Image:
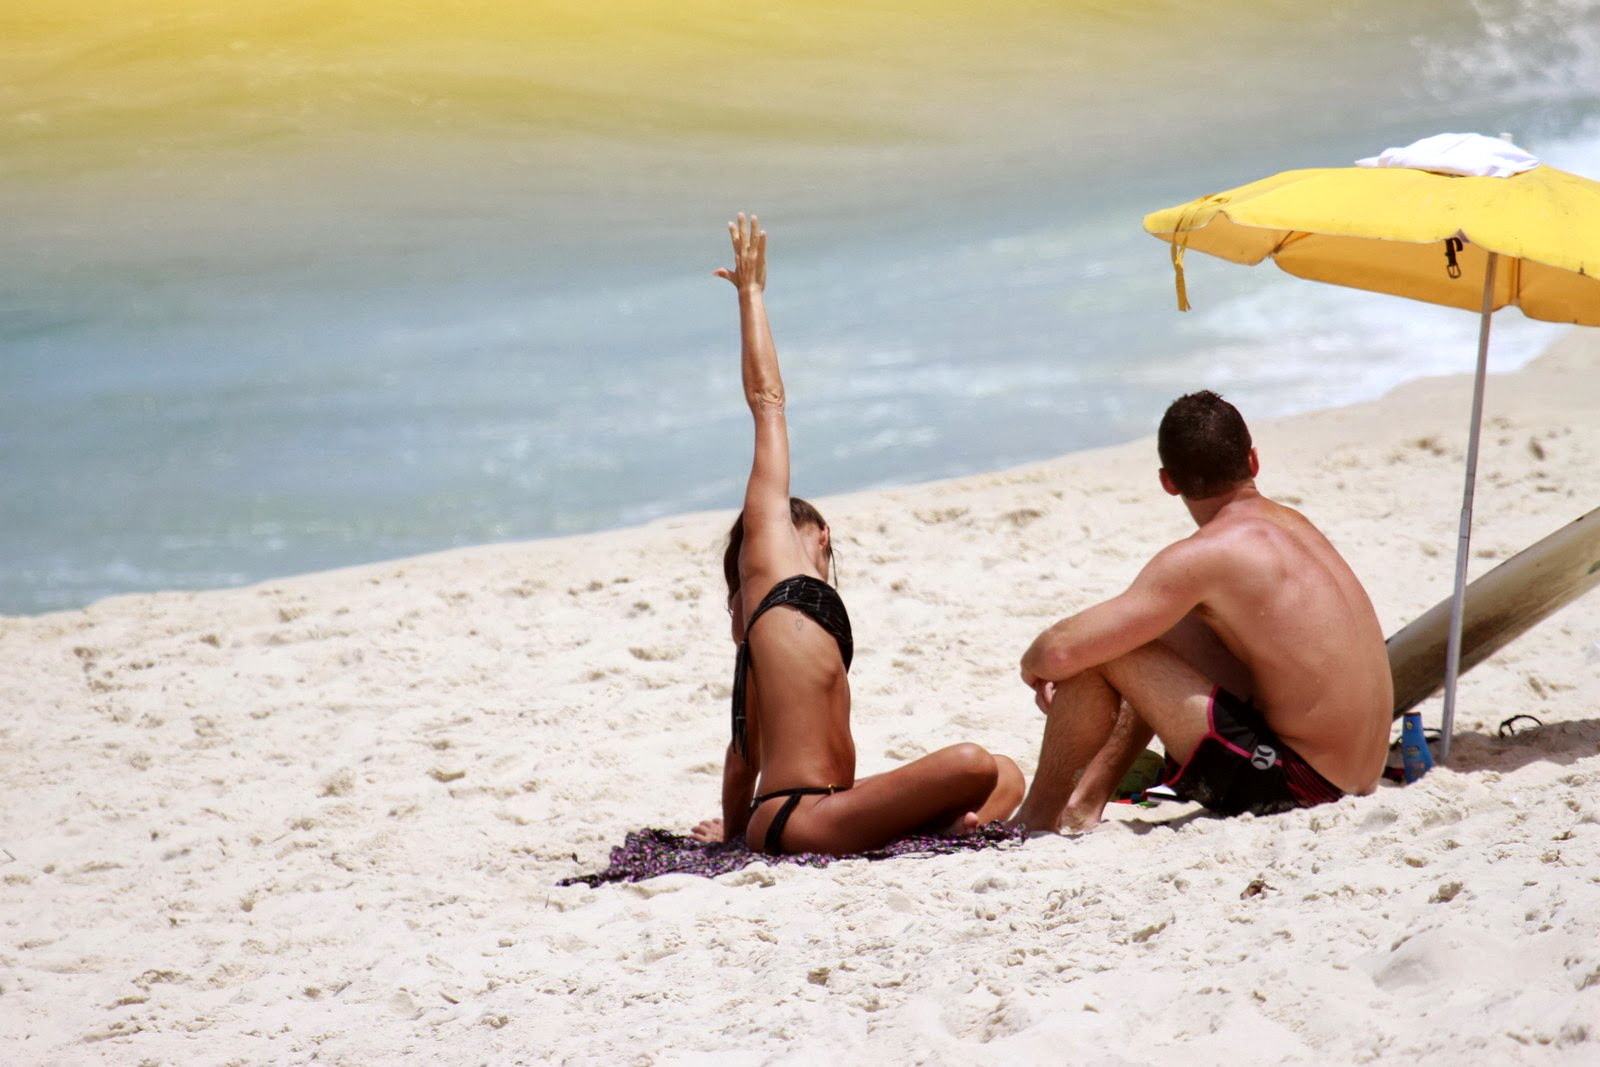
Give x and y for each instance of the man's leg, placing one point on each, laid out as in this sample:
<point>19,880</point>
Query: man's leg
<point>1080,722</point>
<point>1196,644</point>
<point>1129,738</point>
<point>1167,692</point>
<point>1087,749</point>
<point>1199,646</point>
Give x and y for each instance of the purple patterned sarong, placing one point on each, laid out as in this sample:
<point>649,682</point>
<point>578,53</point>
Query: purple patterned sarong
<point>649,853</point>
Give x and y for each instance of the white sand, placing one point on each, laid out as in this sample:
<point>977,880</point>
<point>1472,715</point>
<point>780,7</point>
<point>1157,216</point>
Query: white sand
<point>322,818</point>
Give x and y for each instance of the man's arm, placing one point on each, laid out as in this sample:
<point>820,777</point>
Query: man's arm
<point>1167,589</point>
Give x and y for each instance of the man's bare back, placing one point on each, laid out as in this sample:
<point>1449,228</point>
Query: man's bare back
<point>1284,602</point>
<point>1249,647</point>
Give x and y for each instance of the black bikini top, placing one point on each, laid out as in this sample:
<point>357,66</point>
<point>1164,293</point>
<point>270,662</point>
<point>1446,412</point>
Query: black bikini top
<point>819,601</point>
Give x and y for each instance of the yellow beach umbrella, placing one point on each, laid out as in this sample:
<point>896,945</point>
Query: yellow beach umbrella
<point>1476,241</point>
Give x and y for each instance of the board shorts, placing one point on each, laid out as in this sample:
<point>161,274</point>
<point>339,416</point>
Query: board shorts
<point>1240,765</point>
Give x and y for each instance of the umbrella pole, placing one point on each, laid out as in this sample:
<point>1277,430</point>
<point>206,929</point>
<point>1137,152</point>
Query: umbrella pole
<point>1452,658</point>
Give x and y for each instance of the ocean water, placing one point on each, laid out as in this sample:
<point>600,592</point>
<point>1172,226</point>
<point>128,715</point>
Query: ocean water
<point>289,286</point>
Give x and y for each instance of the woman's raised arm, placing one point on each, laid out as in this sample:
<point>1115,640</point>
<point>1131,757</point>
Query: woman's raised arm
<point>766,501</point>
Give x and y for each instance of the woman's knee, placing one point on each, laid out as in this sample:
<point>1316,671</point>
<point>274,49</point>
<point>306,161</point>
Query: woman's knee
<point>973,764</point>
<point>1009,779</point>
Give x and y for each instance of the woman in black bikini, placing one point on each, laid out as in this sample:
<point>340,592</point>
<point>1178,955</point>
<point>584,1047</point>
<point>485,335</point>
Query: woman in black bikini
<point>791,699</point>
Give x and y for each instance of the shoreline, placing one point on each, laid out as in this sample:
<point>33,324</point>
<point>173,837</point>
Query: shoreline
<point>674,519</point>
<point>323,816</point>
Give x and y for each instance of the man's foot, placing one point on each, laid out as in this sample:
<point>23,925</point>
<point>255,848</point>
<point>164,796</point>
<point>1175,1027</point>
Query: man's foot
<point>1032,820</point>
<point>1071,823</point>
<point>1078,820</point>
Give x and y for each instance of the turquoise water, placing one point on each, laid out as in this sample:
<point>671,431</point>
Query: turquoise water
<point>292,291</point>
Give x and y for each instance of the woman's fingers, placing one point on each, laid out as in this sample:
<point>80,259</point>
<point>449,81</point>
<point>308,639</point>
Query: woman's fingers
<point>737,239</point>
<point>749,252</point>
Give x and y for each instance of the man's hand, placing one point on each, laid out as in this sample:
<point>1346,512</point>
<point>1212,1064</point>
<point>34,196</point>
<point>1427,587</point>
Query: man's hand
<point>709,831</point>
<point>749,270</point>
<point>1043,693</point>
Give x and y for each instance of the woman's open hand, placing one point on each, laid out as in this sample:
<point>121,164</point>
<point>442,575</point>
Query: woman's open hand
<point>749,270</point>
<point>709,831</point>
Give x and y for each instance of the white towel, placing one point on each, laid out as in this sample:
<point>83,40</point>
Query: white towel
<point>1468,154</point>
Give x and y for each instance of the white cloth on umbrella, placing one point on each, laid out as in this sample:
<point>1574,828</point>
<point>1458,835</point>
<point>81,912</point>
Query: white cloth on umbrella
<point>1466,154</point>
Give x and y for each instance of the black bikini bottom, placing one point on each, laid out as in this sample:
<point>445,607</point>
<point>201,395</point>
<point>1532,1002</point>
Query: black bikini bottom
<point>772,844</point>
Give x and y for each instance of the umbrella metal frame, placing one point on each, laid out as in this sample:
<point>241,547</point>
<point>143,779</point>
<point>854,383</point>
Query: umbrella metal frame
<point>1452,660</point>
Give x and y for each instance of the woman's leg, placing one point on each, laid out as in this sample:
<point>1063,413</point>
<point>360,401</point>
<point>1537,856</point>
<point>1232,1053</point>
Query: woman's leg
<point>954,788</point>
<point>1006,794</point>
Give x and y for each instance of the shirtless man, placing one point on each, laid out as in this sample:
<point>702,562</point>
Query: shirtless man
<point>1248,647</point>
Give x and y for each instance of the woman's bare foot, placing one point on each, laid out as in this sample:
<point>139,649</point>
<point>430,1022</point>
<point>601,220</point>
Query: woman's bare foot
<point>962,826</point>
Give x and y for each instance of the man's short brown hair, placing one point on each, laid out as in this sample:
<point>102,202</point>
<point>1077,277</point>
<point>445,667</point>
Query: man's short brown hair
<point>1204,445</point>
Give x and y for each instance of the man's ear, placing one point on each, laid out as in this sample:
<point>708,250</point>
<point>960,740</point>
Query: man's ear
<point>1167,483</point>
<point>1255,462</point>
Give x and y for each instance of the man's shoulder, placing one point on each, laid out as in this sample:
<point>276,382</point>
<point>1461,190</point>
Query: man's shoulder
<point>1229,532</point>
<point>1205,556</point>
<point>1259,518</point>
<point>1244,539</point>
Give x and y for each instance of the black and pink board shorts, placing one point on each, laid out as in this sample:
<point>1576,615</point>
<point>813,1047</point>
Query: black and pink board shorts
<point>1240,765</point>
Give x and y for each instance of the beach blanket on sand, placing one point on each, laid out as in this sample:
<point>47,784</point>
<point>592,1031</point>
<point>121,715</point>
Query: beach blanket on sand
<point>649,853</point>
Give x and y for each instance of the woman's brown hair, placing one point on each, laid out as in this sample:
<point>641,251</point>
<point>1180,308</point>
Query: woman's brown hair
<point>801,513</point>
